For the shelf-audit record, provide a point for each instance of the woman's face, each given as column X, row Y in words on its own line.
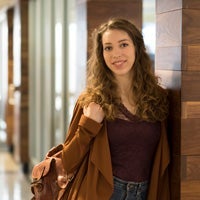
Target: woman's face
column 118, row 52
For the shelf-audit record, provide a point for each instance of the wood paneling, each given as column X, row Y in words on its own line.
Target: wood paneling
column 166, row 5
column 178, row 51
column 191, row 27
column 168, row 29
column 191, row 4
column 166, row 56
column 190, row 86
column 190, row 190
column 191, row 168
column 9, row 106
column 190, row 137
column 191, row 110
column 18, row 121
column 24, row 125
column 191, row 58
column 129, row 10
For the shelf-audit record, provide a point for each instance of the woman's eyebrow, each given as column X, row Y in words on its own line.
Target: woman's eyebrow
column 107, row 43
column 122, row 40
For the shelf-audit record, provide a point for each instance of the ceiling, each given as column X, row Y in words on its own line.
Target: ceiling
column 5, row 4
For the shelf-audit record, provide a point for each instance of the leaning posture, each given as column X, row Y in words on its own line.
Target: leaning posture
column 117, row 141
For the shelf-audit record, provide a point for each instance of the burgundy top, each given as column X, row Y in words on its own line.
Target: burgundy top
column 132, row 146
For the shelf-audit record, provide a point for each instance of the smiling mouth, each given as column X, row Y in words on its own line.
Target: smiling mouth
column 118, row 63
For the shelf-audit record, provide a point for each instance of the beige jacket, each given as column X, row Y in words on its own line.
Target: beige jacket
column 87, row 146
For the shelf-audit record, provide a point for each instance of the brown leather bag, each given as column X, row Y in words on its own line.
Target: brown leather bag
column 50, row 180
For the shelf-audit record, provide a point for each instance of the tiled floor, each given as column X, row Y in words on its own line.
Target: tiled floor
column 14, row 185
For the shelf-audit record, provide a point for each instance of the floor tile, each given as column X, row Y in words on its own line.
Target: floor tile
column 14, row 185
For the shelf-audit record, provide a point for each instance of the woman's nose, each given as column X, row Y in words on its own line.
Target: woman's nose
column 116, row 53
column 116, row 56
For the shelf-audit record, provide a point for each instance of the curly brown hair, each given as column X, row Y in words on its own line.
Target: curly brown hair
column 150, row 99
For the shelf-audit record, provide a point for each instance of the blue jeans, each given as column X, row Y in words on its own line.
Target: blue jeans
column 129, row 190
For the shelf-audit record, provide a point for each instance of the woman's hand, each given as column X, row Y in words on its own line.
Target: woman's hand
column 94, row 112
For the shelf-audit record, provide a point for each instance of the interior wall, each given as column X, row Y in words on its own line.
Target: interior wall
column 177, row 63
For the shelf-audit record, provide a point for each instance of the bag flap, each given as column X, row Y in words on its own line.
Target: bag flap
column 55, row 151
column 42, row 168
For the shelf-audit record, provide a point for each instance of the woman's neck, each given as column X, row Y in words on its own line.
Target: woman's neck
column 124, row 85
column 126, row 94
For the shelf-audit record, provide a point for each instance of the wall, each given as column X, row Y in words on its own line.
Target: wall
column 177, row 62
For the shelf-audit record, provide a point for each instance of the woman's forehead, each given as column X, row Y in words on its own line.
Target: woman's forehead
column 114, row 35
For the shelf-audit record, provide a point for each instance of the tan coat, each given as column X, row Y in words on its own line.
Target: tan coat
column 87, row 146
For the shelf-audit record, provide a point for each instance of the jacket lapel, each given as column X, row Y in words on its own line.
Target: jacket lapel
column 159, row 169
column 103, row 160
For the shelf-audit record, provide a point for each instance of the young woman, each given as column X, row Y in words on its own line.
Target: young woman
column 117, row 140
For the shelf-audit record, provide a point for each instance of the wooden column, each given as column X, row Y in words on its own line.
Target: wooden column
column 100, row 11
column 9, row 105
column 24, row 88
column 18, row 122
column 178, row 64
column 95, row 12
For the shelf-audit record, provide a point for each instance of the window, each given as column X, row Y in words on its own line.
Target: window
column 3, row 73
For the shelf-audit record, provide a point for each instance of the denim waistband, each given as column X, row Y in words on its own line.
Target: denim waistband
column 129, row 184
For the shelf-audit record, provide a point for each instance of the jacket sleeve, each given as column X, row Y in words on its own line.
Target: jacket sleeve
column 81, row 132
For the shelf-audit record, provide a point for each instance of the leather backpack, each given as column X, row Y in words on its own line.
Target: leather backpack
column 50, row 180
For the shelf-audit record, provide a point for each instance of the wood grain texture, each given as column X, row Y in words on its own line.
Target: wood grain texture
column 191, row 27
column 169, row 29
column 178, row 64
column 191, row 58
column 168, row 58
column 190, row 109
column 9, row 111
column 191, row 4
column 166, row 5
column 190, row 86
column 24, row 114
column 190, row 137
column 193, row 168
column 190, row 190
column 130, row 10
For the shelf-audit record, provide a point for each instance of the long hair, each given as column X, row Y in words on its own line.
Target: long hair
column 150, row 99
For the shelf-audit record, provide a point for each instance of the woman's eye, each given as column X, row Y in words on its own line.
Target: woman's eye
column 108, row 48
column 123, row 45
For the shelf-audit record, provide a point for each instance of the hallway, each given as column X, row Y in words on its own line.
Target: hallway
column 14, row 185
